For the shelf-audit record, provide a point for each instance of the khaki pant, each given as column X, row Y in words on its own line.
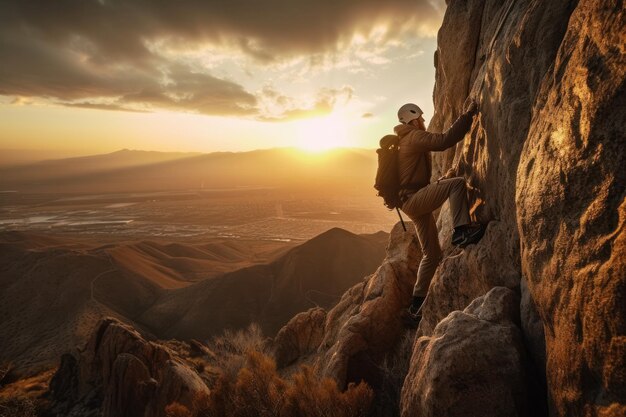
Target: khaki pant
column 419, row 207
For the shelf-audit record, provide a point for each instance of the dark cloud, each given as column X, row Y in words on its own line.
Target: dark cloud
column 76, row 50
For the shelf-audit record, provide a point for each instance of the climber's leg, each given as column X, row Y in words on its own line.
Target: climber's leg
column 419, row 208
column 431, row 253
column 431, row 197
column 458, row 201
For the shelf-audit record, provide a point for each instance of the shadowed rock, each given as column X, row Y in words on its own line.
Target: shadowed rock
column 124, row 374
column 463, row 276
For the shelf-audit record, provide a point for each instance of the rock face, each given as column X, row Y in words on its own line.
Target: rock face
column 472, row 365
column 572, row 170
column 545, row 163
column 124, row 375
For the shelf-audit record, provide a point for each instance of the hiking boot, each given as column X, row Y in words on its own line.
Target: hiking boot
column 467, row 234
column 415, row 309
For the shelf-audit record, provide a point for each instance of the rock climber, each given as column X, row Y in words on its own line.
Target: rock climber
column 420, row 198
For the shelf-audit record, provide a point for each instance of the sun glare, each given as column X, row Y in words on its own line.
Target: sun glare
column 321, row 134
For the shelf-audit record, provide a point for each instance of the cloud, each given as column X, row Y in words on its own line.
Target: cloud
column 20, row 101
column 113, row 52
column 277, row 107
column 100, row 106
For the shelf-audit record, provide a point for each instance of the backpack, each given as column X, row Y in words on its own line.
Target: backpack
column 388, row 174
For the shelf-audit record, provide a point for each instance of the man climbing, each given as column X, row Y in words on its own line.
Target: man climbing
column 420, row 198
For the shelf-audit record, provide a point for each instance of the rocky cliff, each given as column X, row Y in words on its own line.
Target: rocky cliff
column 546, row 160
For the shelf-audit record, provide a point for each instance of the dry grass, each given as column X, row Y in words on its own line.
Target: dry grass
column 232, row 347
column 24, row 397
column 248, row 385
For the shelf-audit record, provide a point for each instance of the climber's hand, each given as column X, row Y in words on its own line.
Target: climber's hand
column 470, row 106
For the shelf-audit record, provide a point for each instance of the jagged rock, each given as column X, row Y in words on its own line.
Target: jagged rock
column 367, row 321
column 301, row 336
column 125, row 374
column 472, row 365
column 350, row 341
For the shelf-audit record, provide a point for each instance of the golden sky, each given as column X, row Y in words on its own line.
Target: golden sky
column 91, row 76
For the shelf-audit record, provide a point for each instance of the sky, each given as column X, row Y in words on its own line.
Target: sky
column 94, row 76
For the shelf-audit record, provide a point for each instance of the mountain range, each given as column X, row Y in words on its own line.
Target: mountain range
column 133, row 170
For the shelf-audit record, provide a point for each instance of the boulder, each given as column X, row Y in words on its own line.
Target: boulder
column 472, row 365
column 301, row 336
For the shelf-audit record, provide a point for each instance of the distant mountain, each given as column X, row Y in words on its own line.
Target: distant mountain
column 42, row 174
column 315, row 273
column 54, row 289
column 126, row 171
column 12, row 157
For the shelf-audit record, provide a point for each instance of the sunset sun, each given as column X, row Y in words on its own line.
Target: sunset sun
column 323, row 133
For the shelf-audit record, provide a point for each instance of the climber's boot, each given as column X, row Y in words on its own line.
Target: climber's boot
column 467, row 234
column 415, row 309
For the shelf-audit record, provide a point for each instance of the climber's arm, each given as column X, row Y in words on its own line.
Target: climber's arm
column 428, row 141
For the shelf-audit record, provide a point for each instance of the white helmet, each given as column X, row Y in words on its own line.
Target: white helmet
column 409, row 112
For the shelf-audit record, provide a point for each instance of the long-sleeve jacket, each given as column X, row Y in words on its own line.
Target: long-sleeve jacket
column 414, row 158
